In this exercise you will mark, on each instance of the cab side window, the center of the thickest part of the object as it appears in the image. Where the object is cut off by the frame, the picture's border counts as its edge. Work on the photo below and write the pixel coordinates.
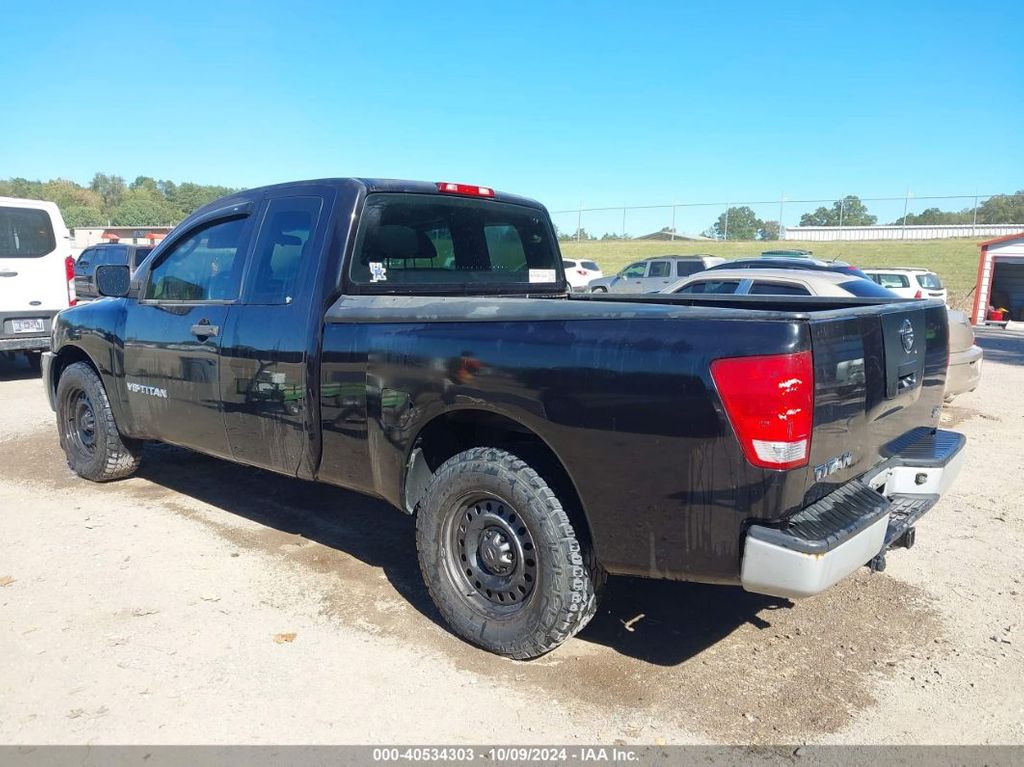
(282, 249)
(660, 269)
(205, 266)
(634, 271)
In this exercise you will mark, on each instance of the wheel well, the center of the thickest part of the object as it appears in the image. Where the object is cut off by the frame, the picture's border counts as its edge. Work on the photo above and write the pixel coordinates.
(68, 355)
(451, 433)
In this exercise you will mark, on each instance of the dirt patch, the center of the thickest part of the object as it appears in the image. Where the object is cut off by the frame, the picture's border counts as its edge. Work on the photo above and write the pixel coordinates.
(717, 660)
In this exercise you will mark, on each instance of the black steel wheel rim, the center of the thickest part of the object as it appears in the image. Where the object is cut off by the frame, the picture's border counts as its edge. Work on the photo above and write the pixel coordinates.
(80, 423)
(490, 554)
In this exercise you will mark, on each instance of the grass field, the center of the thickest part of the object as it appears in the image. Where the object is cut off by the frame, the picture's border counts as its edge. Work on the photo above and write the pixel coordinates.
(955, 261)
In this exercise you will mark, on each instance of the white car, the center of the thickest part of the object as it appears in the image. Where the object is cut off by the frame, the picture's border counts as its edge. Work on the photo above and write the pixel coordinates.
(909, 282)
(579, 273)
(36, 274)
(965, 356)
(653, 274)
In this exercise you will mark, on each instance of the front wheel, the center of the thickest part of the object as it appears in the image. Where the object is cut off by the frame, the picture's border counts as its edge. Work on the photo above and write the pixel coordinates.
(599, 290)
(500, 557)
(93, 446)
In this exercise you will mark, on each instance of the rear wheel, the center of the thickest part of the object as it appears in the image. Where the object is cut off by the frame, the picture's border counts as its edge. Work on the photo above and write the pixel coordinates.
(93, 446)
(500, 557)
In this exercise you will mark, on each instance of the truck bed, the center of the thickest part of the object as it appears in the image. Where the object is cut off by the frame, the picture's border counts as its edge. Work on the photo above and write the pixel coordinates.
(619, 388)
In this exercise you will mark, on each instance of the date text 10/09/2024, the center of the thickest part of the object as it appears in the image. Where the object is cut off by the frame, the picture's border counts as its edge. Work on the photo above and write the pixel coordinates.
(497, 754)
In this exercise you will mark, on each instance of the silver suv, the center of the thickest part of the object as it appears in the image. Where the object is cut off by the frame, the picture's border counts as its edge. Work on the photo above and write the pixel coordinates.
(653, 274)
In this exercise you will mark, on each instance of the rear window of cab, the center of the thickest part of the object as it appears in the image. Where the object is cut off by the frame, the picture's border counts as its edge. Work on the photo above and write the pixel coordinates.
(410, 241)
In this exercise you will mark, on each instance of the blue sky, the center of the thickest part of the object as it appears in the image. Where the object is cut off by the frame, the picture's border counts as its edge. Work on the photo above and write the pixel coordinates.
(605, 103)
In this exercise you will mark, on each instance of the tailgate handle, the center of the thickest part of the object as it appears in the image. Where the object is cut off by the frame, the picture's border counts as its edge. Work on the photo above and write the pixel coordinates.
(204, 329)
(906, 376)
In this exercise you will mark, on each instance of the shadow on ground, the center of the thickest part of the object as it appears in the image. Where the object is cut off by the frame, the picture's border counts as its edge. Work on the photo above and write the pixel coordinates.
(14, 367)
(658, 622)
(1002, 345)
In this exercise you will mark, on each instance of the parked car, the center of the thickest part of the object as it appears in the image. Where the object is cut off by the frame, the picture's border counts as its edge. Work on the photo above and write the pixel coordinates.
(579, 272)
(787, 253)
(776, 262)
(909, 282)
(652, 275)
(964, 355)
(98, 255)
(276, 329)
(36, 274)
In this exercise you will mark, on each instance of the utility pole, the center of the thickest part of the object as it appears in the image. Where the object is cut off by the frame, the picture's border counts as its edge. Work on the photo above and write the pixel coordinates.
(727, 223)
(579, 222)
(672, 235)
(782, 201)
(906, 204)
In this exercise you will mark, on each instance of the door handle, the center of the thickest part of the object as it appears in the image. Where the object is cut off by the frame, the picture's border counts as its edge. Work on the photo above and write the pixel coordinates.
(204, 329)
(8, 274)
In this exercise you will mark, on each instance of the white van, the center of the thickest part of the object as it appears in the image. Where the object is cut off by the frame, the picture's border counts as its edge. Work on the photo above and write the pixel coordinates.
(36, 274)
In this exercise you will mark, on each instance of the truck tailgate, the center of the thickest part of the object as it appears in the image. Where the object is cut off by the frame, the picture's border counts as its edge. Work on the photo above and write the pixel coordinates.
(877, 376)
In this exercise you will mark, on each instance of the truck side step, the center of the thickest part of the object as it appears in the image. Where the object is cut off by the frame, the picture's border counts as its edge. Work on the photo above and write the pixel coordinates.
(904, 512)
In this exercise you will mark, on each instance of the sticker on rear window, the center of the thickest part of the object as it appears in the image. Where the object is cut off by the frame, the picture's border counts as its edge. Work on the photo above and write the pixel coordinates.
(542, 275)
(378, 272)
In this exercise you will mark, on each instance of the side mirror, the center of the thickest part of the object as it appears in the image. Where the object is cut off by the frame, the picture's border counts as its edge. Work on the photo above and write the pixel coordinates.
(113, 280)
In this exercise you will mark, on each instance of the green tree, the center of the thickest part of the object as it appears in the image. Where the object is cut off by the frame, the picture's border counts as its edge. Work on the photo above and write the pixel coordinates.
(1002, 209)
(188, 197)
(770, 230)
(111, 189)
(146, 187)
(933, 216)
(737, 223)
(138, 211)
(83, 215)
(849, 211)
(68, 194)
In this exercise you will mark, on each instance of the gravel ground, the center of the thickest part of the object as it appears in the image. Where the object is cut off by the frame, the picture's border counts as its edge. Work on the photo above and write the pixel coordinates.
(202, 602)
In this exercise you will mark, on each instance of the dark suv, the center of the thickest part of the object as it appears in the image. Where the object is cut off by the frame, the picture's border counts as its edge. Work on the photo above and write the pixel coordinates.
(101, 255)
(777, 262)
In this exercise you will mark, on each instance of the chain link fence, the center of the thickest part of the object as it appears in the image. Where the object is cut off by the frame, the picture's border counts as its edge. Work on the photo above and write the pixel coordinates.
(945, 216)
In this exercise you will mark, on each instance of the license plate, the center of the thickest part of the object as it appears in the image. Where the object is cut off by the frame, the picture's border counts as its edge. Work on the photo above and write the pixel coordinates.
(28, 326)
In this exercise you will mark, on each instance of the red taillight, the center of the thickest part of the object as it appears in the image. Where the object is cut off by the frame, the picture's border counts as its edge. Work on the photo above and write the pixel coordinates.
(919, 294)
(476, 191)
(769, 401)
(69, 274)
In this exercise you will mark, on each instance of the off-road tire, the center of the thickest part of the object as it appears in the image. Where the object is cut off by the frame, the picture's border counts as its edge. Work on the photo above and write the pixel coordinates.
(99, 453)
(562, 594)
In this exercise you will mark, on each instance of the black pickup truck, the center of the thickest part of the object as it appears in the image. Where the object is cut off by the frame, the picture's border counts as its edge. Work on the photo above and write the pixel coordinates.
(418, 342)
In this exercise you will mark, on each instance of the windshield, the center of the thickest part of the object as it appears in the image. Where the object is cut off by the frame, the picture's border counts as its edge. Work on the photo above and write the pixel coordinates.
(930, 281)
(424, 240)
